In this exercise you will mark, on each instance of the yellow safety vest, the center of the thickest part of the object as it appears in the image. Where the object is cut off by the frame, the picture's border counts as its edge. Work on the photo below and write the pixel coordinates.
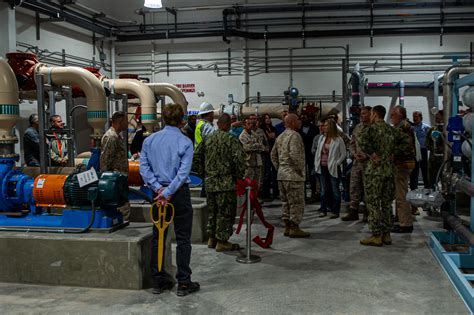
(197, 133)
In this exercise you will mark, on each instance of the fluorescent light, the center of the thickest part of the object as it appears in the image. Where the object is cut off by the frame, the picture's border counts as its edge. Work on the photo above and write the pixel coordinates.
(154, 4)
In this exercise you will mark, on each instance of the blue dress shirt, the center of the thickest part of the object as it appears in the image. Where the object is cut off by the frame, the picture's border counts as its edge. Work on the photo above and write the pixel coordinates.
(166, 159)
(280, 128)
(421, 130)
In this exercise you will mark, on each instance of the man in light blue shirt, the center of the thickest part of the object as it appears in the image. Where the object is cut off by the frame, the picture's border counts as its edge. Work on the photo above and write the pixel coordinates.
(165, 164)
(421, 130)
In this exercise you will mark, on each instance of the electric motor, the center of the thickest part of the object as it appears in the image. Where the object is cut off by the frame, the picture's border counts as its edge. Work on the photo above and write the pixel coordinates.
(112, 186)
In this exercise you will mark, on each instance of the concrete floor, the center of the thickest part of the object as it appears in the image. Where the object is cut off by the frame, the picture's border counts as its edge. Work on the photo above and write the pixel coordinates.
(328, 273)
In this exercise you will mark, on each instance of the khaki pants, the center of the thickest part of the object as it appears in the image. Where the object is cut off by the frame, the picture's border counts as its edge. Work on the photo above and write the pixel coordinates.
(403, 208)
(292, 200)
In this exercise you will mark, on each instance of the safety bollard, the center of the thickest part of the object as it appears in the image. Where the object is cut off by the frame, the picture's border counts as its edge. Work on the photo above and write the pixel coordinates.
(248, 258)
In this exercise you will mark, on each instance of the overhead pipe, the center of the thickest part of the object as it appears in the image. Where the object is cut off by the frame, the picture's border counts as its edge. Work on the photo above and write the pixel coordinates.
(448, 89)
(144, 94)
(9, 110)
(357, 96)
(55, 11)
(89, 84)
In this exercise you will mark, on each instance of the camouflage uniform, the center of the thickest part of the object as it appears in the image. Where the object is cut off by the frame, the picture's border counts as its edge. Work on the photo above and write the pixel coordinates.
(113, 158)
(221, 160)
(288, 157)
(379, 176)
(358, 168)
(253, 145)
(436, 148)
(404, 160)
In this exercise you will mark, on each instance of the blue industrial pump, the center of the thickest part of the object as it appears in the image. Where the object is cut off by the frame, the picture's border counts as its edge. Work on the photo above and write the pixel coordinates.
(27, 203)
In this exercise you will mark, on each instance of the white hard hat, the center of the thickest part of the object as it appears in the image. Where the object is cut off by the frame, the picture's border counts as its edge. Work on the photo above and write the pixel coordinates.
(205, 108)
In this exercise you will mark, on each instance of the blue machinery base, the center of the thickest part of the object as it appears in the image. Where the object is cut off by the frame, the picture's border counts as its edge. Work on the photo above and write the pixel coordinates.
(454, 263)
(69, 219)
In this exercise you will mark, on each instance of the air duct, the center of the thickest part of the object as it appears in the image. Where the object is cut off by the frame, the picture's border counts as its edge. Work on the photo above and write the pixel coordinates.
(9, 110)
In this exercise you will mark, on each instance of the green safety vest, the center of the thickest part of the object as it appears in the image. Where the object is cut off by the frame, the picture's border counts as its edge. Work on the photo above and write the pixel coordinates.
(197, 133)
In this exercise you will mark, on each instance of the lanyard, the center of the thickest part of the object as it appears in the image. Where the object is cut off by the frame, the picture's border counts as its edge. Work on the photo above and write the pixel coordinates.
(60, 146)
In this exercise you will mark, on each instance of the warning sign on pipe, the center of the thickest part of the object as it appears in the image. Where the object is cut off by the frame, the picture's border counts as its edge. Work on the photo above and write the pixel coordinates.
(187, 88)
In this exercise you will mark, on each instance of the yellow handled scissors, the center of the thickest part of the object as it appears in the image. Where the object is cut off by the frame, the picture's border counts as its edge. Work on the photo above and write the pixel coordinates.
(162, 224)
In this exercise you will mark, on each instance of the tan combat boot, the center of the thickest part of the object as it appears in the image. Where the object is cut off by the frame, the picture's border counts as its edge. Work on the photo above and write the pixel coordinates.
(225, 246)
(296, 232)
(386, 238)
(374, 240)
(287, 228)
(211, 242)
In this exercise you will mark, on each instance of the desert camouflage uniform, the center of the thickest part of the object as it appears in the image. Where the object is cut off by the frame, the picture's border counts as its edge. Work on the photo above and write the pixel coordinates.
(404, 160)
(358, 169)
(288, 157)
(253, 145)
(113, 158)
(220, 159)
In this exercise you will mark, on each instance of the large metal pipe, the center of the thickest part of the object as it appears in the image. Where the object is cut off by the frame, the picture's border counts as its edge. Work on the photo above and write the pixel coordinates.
(402, 93)
(448, 89)
(170, 90)
(144, 94)
(92, 87)
(465, 186)
(458, 226)
(9, 110)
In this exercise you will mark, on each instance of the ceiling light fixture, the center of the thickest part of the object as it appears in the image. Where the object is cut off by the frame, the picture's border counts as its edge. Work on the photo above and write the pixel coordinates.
(153, 4)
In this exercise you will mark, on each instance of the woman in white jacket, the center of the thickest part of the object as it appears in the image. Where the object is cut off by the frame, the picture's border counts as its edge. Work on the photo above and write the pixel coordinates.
(330, 154)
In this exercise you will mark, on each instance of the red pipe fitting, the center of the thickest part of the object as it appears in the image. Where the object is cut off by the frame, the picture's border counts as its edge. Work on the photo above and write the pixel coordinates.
(23, 65)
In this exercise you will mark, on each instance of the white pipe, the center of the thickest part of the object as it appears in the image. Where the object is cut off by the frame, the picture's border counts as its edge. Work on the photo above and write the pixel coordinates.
(9, 110)
(92, 87)
(171, 91)
(143, 92)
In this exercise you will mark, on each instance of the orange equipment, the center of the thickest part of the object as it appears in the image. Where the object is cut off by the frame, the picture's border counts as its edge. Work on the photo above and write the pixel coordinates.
(48, 190)
(134, 177)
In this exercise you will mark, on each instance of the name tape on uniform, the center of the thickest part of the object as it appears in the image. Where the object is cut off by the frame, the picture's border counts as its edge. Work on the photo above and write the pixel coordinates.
(87, 177)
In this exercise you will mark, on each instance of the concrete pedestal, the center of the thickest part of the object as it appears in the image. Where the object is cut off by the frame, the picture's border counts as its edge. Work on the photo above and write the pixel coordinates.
(119, 260)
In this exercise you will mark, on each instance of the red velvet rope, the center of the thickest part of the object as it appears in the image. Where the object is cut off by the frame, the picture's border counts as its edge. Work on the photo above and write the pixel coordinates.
(241, 190)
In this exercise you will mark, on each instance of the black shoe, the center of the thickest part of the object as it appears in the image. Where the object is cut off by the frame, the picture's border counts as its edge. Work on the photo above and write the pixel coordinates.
(187, 288)
(402, 229)
(162, 288)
